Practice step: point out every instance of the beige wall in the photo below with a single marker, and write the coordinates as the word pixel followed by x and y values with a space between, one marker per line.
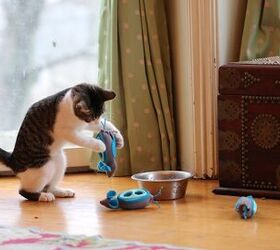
pixel 177 15
pixel 189 93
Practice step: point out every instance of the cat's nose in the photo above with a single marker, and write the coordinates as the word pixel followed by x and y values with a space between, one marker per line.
pixel 88 119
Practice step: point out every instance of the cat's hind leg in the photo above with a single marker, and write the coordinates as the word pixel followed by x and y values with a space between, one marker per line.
pixel 37 196
pixel 33 182
pixel 60 166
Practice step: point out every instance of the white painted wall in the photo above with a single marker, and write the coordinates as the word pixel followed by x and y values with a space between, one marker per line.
pixel 177 15
pixel 230 18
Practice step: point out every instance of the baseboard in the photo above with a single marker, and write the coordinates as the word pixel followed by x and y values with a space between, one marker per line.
pixel 244 192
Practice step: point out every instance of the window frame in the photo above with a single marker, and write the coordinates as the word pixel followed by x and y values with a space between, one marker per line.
pixel 78 158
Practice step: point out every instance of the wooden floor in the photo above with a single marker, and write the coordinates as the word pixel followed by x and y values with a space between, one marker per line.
pixel 201 220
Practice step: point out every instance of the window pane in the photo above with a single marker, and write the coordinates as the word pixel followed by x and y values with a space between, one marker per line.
pixel 45 46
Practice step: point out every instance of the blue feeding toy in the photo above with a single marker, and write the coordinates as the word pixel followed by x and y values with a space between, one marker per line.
pixel 129 199
pixel 107 163
pixel 246 207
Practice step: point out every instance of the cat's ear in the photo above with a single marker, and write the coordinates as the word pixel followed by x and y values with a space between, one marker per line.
pixel 108 95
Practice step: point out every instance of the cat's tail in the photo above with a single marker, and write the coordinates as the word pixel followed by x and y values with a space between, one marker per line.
pixel 5 157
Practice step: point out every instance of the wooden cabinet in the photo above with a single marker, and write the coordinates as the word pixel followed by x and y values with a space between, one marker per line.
pixel 249 128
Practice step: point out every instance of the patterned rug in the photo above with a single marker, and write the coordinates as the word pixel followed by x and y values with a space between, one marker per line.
pixel 34 239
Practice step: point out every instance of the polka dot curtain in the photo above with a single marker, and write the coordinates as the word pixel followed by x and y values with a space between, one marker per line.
pixel 134 61
pixel 261 34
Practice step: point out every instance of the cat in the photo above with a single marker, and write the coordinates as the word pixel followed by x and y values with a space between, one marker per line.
pixel 38 159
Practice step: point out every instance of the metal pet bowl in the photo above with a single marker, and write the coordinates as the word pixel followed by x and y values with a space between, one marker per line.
pixel 173 184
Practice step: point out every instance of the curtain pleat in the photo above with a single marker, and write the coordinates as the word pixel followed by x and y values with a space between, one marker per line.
pixel 261 33
pixel 134 61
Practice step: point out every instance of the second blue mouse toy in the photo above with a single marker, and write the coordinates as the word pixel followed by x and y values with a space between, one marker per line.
pixel 130 199
pixel 246 207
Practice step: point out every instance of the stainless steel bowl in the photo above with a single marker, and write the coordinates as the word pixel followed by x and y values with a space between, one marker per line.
pixel 171 184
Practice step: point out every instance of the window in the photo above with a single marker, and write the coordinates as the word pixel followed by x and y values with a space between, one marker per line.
pixel 45 46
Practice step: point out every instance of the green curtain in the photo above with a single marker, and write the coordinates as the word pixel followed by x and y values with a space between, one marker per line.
pixel 134 61
pixel 261 34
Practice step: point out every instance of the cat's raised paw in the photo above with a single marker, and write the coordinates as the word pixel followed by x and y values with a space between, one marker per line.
pixel 46 197
pixel 99 147
pixel 119 139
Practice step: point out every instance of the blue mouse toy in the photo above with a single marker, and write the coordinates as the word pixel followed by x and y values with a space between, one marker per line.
pixel 246 207
pixel 107 163
pixel 129 199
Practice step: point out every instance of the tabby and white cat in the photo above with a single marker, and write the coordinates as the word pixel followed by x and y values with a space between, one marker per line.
pixel 38 159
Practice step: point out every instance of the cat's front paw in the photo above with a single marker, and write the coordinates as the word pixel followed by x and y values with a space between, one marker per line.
pixel 63 193
pixel 46 197
pixel 99 146
pixel 119 139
